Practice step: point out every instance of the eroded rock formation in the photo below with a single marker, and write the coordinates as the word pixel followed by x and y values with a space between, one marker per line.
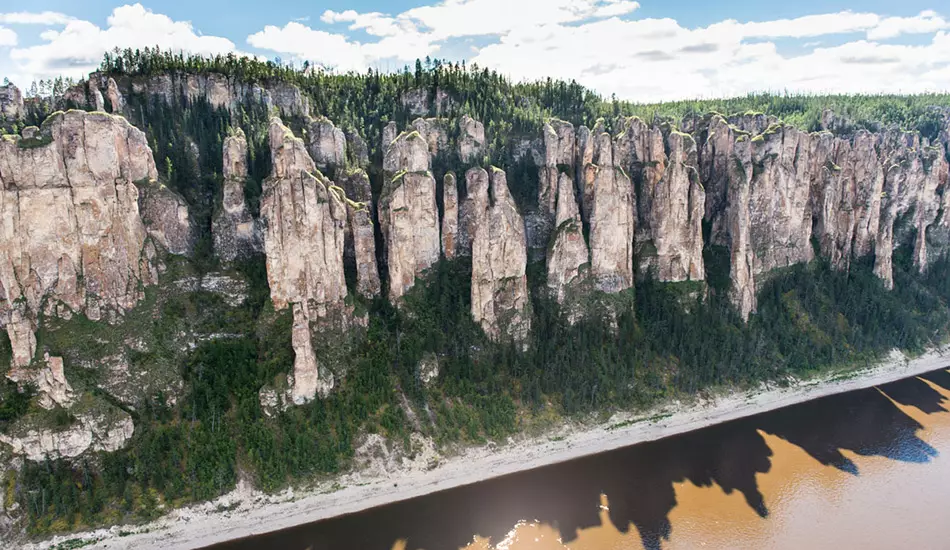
pixel 11 103
pixel 326 143
pixel 568 256
pixel 471 139
pixel 612 219
pixel 236 233
pixel 408 213
pixel 166 218
pixel 360 236
pixel 304 225
pixel 500 301
pixel 450 216
pixel 71 238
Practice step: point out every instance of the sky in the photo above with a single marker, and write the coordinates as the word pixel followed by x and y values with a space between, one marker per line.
pixel 645 50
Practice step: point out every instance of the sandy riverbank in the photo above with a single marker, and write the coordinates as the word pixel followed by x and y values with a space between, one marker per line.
pixel 245 512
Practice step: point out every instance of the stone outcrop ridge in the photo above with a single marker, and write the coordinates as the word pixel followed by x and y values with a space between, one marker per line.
pixel 769 194
pixel 408 212
pixel 471 139
pixel 360 236
pixel 304 225
pixel 500 301
pixel 450 216
pixel 71 239
pixel 568 257
pixel 236 233
pixel 326 143
pixel 166 218
pixel 219 91
pixel 11 103
pixel 90 432
pixel 670 200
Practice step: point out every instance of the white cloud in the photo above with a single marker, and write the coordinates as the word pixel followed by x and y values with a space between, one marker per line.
pixel 35 18
pixel 338 52
pixel 458 18
pixel 658 59
pixel 78 48
pixel 925 22
pixel 7 37
pixel 374 23
pixel 801 27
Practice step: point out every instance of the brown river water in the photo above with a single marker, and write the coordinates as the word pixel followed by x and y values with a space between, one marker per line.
pixel 867 469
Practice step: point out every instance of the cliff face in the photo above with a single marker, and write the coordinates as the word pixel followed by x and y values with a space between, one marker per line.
pixel 326 143
pixel 304 225
pixel 303 229
pixel 360 236
pixel 219 91
pixel 236 233
pixel 72 239
pixel 770 193
pixel 568 256
pixel 670 200
pixel 612 220
pixel 450 216
pixel 408 213
pixel 500 302
pixel 11 103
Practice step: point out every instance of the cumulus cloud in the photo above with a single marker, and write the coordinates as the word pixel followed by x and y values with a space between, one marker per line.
pixel 35 18
pixel 79 46
pixel 925 22
pixel 7 37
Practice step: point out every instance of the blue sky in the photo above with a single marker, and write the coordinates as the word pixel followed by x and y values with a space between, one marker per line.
pixel 647 50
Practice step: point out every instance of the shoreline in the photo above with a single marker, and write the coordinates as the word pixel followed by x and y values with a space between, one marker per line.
pixel 245 512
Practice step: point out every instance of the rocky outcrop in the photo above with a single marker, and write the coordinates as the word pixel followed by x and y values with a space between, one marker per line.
pixel 670 201
pixel 91 431
pixel 326 143
pixel 11 103
pixel 116 101
pixel 450 216
pixel 72 239
pixel 176 88
pixel 165 214
pixel 389 134
pixel 304 226
pixel 360 235
pixel 419 102
pixel 436 133
pixel 913 176
pixel 847 183
pixel 408 213
pixel 471 139
pixel 357 149
pixel 51 385
pixel 474 205
pixel 568 256
pixel 309 379
pixel 500 301
pixel 558 159
pixel 236 233
pixel 612 220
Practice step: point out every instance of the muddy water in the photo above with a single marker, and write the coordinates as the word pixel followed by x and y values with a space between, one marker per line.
pixel 867 469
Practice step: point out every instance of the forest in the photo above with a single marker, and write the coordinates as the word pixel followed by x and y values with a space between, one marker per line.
pixel 661 340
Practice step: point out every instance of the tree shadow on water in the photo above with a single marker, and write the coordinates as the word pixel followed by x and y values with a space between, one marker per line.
pixel 639 481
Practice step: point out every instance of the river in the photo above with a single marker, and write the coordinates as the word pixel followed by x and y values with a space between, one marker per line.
pixel 866 469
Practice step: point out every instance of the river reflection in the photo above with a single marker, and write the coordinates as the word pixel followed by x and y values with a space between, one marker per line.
pixel 861 469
